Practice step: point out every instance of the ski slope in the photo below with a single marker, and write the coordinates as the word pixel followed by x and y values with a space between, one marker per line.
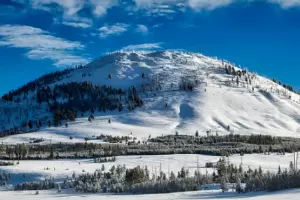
pixel 259 107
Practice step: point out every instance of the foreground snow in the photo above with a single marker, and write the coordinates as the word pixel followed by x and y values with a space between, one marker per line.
pixel 207 195
pixel 60 169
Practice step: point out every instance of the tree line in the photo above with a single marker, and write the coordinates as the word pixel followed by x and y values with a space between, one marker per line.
pixel 15 95
pixel 140 180
pixel 171 144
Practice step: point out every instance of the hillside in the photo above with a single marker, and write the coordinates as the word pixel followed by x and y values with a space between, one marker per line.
pixel 147 95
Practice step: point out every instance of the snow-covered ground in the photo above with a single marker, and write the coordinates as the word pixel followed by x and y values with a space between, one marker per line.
pixel 61 169
pixel 269 109
pixel 205 195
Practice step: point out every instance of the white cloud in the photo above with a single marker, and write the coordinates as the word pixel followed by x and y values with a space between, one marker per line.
pixel 41 45
pixel 208 4
pixel 8 30
pixel 100 7
pixel 167 7
pixel 170 6
pixel 159 7
pixel 70 7
pixel 142 29
pixel 151 3
pixel 286 3
pixel 61 57
pixel 116 29
pixel 143 47
pixel 77 24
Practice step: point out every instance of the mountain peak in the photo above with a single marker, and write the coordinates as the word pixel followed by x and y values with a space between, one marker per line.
pixel 155 93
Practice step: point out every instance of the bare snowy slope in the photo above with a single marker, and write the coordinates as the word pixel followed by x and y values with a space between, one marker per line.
pixel 182 92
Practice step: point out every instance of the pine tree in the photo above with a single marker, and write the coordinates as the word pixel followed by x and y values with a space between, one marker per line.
pixel 240 169
pixel 197 134
pixel 172 176
pixel 279 170
pixel 51 156
pixel 260 172
pixel 223 184
pixel 291 167
pixel 238 187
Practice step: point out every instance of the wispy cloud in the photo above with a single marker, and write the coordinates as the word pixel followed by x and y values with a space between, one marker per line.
pixel 167 7
pixel 100 7
pixel 142 29
pixel 208 4
pixel 158 7
pixel 286 3
pixel 143 47
pixel 71 9
pixel 151 3
pixel 61 57
pixel 77 24
pixel 41 44
pixel 115 29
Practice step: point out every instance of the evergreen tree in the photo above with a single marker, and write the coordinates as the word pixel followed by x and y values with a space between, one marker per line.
pixel 197 134
pixel 238 186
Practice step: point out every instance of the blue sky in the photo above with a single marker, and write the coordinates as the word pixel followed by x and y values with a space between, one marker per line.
pixel 41 36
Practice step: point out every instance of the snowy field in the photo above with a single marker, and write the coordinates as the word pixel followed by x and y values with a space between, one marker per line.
pixel 205 195
pixel 268 109
pixel 61 169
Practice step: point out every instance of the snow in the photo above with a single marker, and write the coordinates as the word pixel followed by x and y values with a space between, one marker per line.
pixel 212 106
pixel 267 110
pixel 61 169
pixel 266 162
pixel 205 195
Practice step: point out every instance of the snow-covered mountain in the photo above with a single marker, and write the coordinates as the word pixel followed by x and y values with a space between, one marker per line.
pixel 180 92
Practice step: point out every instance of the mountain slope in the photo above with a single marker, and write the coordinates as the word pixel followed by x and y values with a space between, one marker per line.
pixel 181 92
